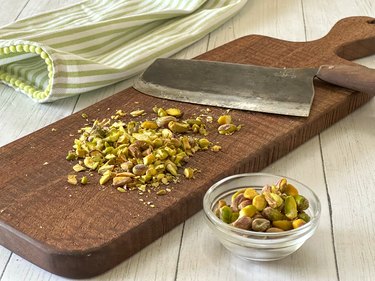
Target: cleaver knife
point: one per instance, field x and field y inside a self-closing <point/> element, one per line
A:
<point x="286" y="91"/>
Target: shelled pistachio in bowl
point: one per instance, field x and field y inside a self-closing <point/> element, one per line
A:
<point x="277" y="207"/>
<point x="261" y="216"/>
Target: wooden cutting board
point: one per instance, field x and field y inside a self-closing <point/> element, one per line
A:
<point x="82" y="231"/>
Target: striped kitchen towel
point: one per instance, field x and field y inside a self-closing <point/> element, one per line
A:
<point x="96" y="43"/>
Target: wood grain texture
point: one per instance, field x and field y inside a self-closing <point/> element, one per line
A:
<point x="68" y="230"/>
<point x="157" y="261"/>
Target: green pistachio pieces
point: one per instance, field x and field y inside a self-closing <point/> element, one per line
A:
<point x="273" y="214"/>
<point x="106" y="177"/>
<point x="298" y="223"/>
<point x="143" y="154"/>
<point x="105" y="168"/>
<point x="174" y="112"/>
<point x="139" y="169"/>
<point x="137" y="113"/>
<point x="283" y="224"/>
<point x="121" y="181"/>
<point x="260" y="225"/>
<point x="78" y="168"/>
<point x="90" y="163"/>
<point x="259" y="202"/>
<point x="72" y="179"/>
<point x="290" y="207"/>
<point x="243" y="223"/>
<point x="274" y="200"/>
<point x="163" y="121"/>
<point x="250" y="193"/>
<point x="304" y="216"/>
<point x="248" y="211"/>
<point x="227" y="129"/>
<point x="302" y="202"/>
<point x="226" y="214"/>
<point x="71" y="156"/>
<point x="178" y="127"/>
<point x="189" y="173"/>
<point x="224" y="119"/>
<point x="149" y="125"/>
<point x="84" y="180"/>
<point x="276" y="208"/>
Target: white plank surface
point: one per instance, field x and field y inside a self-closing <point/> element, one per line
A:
<point x="348" y="153"/>
<point x="338" y="164"/>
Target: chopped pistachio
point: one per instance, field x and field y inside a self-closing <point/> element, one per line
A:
<point x="189" y="173"/>
<point x="204" y="143"/>
<point x="209" y="118"/>
<point x="71" y="156"/>
<point x="216" y="148"/>
<point x="78" y="168"/>
<point x="142" y="187"/>
<point x="161" y="112"/>
<point x="163" y="121"/>
<point x="178" y="127"/>
<point x="84" y="115"/>
<point x="105" y="178"/>
<point x="224" y="119"/>
<point x="72" y="179"/>
<point x="120" y="113"/>
<point x="203" y="131"/>
<point x="172" y="169"/>
<point x="84" y="180"/>
<point x="144" y="154"/>
<point x="149" y="159"/>
<point x="125" y="174"/>
<point x="137" y="113"/>
<point x="227" y="129"/>
<point x="105" y="168"/>
<point x="161" y="192"/>
<point x="121" y="189"/>
<point x="90" y="163"/>
<point x="174" y="112"/>
<point x="139" y="169"/>
<point x="192" y="122"/>
<point x="149" y="125"/>
<point x="121" y="181"/>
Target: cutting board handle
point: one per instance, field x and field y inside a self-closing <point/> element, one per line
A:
<point x="354" y="77"/>
<point x="350" y="38"/>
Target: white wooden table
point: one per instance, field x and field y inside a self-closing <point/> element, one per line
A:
<point x="339" y="164"/>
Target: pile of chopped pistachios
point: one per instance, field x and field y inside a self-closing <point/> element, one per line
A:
<point x="146" y="153"/>
<point x="276" y="208"/>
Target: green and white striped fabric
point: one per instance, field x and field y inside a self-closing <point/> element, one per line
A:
<point x="96" y="43"/>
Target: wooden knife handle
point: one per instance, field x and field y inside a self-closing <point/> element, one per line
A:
<point x="354" y="77"/>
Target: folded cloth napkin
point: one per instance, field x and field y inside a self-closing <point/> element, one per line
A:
<point x="96" y="43"/>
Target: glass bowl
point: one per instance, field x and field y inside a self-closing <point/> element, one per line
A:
<point x="251" y="245"/>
